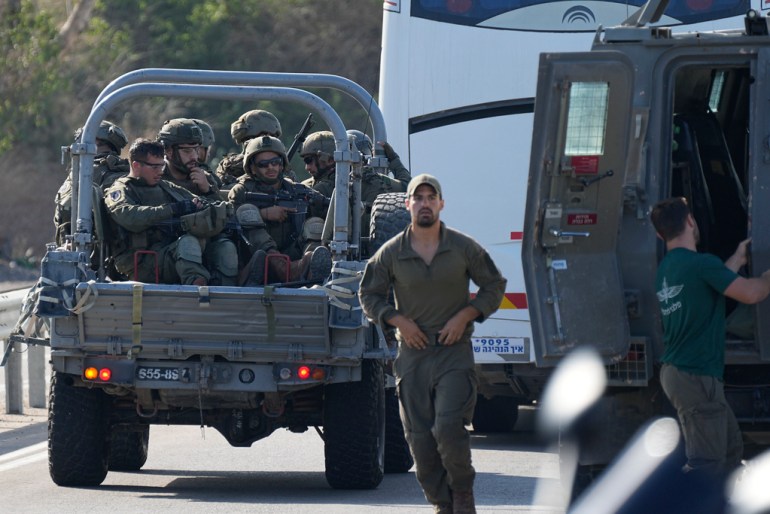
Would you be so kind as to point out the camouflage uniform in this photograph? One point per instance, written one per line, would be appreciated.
(146, 213)
(213, 194)
(323, 182)
(107, 169)
(279, 236)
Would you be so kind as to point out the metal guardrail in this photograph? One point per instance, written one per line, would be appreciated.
(10, 308)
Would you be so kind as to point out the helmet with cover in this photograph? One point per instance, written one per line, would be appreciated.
(259, 145)
(109, 133)
(255, 123)
(180, 131)
(362, 142)
(319, 144)
(207, 133)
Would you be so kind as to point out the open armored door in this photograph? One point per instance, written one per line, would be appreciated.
(575, 205)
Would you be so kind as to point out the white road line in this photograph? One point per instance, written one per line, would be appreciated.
(24, 456)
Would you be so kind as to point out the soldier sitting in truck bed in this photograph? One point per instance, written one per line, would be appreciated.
(148, 208)
(272, 228)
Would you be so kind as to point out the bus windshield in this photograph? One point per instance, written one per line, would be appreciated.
(565, 16)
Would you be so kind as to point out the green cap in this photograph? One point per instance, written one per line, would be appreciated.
(421, 179)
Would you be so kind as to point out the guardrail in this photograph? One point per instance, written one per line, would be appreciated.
(10, 308)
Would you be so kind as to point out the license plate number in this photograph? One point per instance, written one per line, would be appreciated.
(151, 373)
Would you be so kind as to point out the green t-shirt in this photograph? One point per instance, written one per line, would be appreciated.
(690, 289)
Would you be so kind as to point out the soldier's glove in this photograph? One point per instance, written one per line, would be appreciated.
(390, 153)
(183, 207)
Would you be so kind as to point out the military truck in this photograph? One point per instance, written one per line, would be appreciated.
(247, 361)
(646, 114)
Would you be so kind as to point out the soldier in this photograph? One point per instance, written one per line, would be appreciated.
(207, 142)
(275, 229)
(108, 166)
(318, 154)
(182, 138)
(148, 209)
(428, 267)
(251, 124)
(372, 183)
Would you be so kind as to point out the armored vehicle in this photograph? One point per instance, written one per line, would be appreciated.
(646, 114)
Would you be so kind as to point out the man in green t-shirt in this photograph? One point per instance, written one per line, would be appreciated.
(691, 289)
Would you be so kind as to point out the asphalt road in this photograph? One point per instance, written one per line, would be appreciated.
(194, 470)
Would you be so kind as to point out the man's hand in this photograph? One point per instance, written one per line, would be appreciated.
(455, 328)
(411, 334)
(740, 257)
(198, 177)
(275, 213)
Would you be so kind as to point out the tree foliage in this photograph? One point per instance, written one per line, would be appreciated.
(55, 62)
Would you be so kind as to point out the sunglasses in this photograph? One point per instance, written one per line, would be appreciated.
(309, 159)
(267, 162)
(151, 165)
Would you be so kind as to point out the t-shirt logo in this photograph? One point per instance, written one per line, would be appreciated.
(669, 293)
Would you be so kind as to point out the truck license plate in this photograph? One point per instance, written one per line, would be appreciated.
(152, 373)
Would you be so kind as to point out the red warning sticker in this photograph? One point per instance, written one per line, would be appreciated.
(585, 164)
(582, 219)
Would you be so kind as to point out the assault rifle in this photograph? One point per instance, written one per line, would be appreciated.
(300, 137)
(298, 200)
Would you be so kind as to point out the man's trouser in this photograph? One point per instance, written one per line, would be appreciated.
(712, 437)
(437, 391)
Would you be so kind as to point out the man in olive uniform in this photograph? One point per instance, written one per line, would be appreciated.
(182, 138)
(250, 124)
(108, 166)
(428, 267)
(318, 154)
(372, 183)
(274, 229)
(148, 209)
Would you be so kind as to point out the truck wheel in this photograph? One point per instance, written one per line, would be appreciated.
(78, 433)
(496, 414)
(398, 458)
(389, 218)
(354, 430)
(128, 448)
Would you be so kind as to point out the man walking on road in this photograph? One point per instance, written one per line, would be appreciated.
(429, 267)
(691, 290)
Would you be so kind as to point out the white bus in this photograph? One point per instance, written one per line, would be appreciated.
(457, 87)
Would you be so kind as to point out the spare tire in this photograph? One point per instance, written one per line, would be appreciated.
(389, 218)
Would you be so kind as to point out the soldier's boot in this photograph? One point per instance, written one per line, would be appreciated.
(320, 264)
(442, 508)
(463, 502)
(278, 273)
(256, 270)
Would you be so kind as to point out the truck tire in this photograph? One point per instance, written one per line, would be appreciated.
(128, 448)
(354, 430)
(78, 433)
(496, 414)
(398, 458)
(389, 218)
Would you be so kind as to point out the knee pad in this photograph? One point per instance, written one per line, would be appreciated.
(224, 257)
(189, 248)
(312, 229)
(249, 217)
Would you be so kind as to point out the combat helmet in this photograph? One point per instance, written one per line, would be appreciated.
(110, 133)
(319, 144)
(362, 142)
(254, 123)
(180, 131)
(207, 133)
(263, 144)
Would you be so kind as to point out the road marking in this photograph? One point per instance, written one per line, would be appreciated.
(24, 456)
